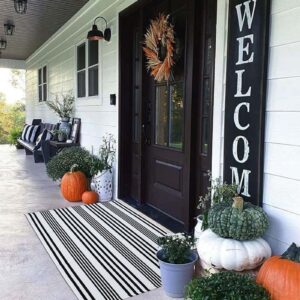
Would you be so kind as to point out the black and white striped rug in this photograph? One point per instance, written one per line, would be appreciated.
(103, 251)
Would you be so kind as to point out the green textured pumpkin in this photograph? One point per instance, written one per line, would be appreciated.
(238, 220)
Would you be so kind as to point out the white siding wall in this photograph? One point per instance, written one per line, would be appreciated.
(58, 53)
(282, 142)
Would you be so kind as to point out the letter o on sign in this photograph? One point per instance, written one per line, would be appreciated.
(235, 149)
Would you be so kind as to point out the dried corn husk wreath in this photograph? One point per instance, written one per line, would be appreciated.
(160, 35)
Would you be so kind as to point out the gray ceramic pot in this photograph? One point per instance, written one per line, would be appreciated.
(175, 277)
(65, 126)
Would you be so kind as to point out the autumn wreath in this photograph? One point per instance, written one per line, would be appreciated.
(159, 47)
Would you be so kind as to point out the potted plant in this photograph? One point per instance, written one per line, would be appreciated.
(102, 168)
(61, 135)
(63, 108)
(14, 134)
(61, 163)
(226, 285)
(176, 261)
(217, 192)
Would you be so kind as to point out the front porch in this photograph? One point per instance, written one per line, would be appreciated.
(27, 271)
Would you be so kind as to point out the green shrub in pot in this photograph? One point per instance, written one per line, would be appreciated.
(63, 161)
(225, 286)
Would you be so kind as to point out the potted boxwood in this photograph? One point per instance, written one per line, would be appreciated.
(225, 285)
(61, 163)
(176, 261)
(102, 168)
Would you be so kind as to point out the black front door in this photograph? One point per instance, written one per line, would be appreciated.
(165, 127)
(166, 169)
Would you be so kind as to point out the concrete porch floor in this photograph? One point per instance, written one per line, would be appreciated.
(26, 270)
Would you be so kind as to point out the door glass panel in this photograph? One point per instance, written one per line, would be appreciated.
(205, 131)
(161, 126)
(176, 116)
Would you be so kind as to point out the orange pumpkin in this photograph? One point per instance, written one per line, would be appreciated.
(280, 275)
(89, 197)
(73, 185)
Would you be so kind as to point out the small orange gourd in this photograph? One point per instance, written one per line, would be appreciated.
(89, 197)
(73, 185)
(280, 275)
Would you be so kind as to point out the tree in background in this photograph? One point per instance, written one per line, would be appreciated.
(12, 116)
(18, 79)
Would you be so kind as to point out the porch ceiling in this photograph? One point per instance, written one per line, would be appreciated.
(42, 19)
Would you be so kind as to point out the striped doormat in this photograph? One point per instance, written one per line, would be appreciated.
(103, 251)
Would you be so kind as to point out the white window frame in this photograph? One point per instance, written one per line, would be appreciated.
(86, 69)
(43, 83)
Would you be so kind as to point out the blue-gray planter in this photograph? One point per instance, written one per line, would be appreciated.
(65, 126)
(175, 277)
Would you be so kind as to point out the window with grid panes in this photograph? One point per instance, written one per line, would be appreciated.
(42, 84)
(88, 69)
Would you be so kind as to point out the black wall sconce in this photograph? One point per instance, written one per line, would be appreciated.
(95, 34)
(20, 6)
(9, 28)
(3, 44)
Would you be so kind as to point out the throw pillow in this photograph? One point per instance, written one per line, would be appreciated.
(30, 133)
(26, 127)
(46, 135)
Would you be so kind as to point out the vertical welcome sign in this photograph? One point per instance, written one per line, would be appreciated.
(248, 31)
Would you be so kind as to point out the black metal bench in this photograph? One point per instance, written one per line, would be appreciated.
(30, 147)
(51, 148)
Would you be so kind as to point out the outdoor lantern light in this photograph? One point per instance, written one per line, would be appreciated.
(3, 44)
(21, 6)
(9, 28)
(95, 34)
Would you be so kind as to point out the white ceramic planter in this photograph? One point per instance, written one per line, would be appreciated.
(102, 185)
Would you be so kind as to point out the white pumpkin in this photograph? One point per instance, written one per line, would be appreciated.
(220, 253)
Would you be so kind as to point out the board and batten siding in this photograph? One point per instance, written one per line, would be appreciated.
(98, 117)
(281, 198)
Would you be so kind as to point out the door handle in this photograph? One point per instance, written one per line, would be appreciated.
(145, 134)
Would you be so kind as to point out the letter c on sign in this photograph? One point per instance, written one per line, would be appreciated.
(237, 113)
(235, 147)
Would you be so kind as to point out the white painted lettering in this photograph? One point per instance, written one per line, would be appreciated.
(244, 178)
(239, 92)
(244, 48)
(235, 149)
(237, 113)
(247, 13)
